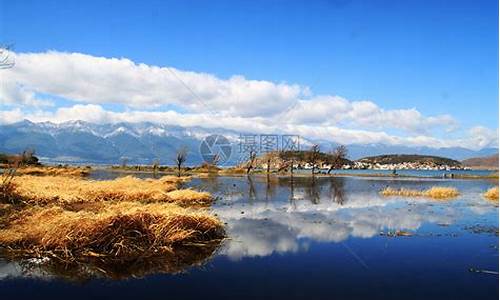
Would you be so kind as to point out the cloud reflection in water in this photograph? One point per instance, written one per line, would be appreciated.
(328, 210)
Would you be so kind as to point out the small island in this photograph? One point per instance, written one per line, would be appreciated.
(337, 160)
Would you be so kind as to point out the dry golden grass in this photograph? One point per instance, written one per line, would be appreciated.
(61, 189)
(53, 171)
(233, 170)
(124, 230)
(492, 194)
(188, 197)
(206, 168)
(115, 228)
(434, 192)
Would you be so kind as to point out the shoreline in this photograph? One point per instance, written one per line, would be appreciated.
(233, 172)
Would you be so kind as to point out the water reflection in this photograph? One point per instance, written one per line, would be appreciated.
(337, 191)
(180, 260)
(265, 215)
(287, 214)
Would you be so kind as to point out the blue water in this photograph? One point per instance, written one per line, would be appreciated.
(328, 238)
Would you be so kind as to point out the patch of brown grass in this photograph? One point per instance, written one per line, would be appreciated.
(434, 192)
(116, 228)
(206, 168)
(53, 171)
(234, 170)
(189, 197)
(492, 194)
(122, 230)
(61, 189)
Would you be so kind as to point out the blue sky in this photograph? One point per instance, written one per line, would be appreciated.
(440, 57)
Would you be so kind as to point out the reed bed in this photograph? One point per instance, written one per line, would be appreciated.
(119, 230)
(44, 190)
(116, 228)
(53, 171)
(492, 194)
(434, 192)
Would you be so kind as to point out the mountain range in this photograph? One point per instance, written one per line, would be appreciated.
(143, 143)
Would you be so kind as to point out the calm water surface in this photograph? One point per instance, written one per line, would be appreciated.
(318, 239)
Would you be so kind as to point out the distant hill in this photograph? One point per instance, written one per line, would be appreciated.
(485, 162)
(410, 158)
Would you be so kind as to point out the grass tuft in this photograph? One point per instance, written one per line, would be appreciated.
(44, 190)
(434, 192)
(53, 171)
(124, 230)
(492, 194)
(115, 228)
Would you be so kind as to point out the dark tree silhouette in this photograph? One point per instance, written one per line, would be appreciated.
(251, 161)
(312, 157)
(180, 159)
(338, 157)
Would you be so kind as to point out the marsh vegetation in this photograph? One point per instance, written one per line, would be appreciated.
(435, 192)
(492, 194)
(110, 223)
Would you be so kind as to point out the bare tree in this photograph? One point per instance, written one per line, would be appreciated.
(288, 161)
(180, 159)
(6, 60)
(338, 158)
(28, 157)
(251, 161)
(312, 157)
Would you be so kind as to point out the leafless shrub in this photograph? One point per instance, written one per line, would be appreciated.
(338, 157)
(312, 157)
(180, 159)
(251, 161)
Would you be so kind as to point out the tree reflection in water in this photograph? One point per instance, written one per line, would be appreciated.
(337, 190)
(271, 182)
(313, 191)
(252, 194)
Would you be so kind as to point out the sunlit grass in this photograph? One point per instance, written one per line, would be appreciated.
(434, 192)
(492, 194)
(53, 171)
(61, 189)
(119, 229)
(121, 219)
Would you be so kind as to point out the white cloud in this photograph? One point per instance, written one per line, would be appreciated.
(477, 138)
(99, 80)
(278, 227)
(483, 137)
(11, 116)
(236, 103)
(334, 110)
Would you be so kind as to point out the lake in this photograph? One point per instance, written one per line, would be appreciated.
(327, 238)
